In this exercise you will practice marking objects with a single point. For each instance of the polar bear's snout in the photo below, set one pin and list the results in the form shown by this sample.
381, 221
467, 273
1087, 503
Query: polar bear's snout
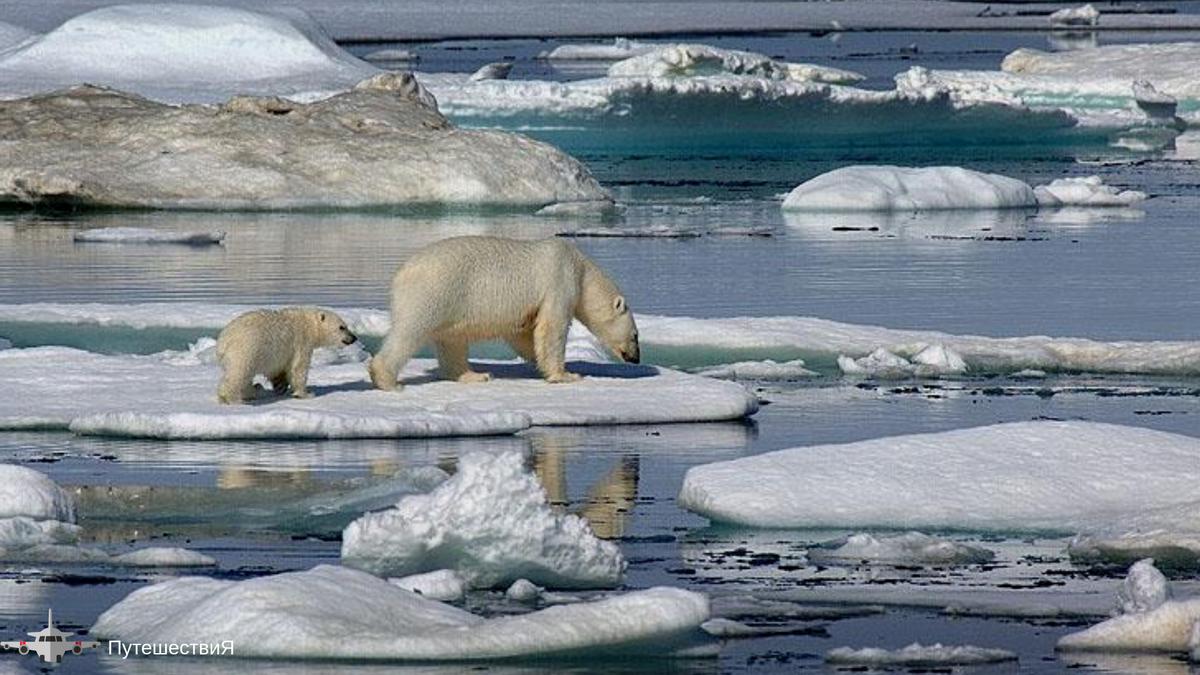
631, 353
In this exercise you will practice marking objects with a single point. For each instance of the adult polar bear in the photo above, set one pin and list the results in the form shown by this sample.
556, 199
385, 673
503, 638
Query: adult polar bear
466, 289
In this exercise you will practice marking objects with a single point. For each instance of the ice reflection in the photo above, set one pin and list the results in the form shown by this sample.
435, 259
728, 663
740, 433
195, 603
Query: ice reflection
975, 225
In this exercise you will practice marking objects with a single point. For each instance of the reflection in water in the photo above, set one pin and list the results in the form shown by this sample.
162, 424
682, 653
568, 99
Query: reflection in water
182, 666
948, 225
19, 597
1126, 664
610, 501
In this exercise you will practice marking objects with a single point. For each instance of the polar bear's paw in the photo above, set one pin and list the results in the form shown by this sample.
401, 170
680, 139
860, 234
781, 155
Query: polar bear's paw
563, 378
472, 377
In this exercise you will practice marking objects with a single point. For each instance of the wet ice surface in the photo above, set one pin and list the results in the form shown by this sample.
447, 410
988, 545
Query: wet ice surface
261, 508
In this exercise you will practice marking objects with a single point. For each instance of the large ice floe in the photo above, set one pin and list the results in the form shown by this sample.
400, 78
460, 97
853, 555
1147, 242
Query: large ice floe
172, 395
339, 613
1147, 619
689, 342
490, 523
934, 188
918, 656
37, 525
380, 144
1025, 476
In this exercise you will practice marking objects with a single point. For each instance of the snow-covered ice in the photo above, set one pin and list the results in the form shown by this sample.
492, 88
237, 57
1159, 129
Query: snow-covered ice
917, 655
617, 50
1176, 550
492, 524
382, 143
1148, 619
699, 60
143, 235
908, 548
31, 494
440, 585
1144, 588
759, 370
936, 360
185, 53
523, 590
339, 613
893, 188
1085, 191
1085, 15
1024, 476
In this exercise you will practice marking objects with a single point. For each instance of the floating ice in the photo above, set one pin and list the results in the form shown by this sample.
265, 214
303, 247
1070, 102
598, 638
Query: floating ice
893, 188
619, 49
499, 70
1087, 15
159, 556
759, 370
440, 585
382, 143
185, 54
918, 656
339, 613
492, 524
908, 548
392, 55
1148, 622
1174, 550
697, 60
932, 361
1085, 191
1027, 476
172, 395
523, 590
28, 493
141, 235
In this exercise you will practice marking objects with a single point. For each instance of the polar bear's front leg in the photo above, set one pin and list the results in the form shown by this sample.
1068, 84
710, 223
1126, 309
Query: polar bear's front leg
297, 375
453, 364
550, 347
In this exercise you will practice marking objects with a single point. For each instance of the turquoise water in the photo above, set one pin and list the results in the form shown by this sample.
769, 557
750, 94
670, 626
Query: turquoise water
264, 507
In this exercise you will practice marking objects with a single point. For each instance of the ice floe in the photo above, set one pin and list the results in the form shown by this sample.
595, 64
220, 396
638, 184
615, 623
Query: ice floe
143, 235
339, 613
1026, 476
759, 370
1148, 619
698, 60
1086, 15
523, 590
440, 585
184, 53
917, 655
893, 188
1172, 550
492, 524
1085, 191
617, 50
381, 144
908, 548
933, 361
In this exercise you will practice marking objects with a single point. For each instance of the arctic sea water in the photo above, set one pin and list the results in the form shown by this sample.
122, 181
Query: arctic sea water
270, 506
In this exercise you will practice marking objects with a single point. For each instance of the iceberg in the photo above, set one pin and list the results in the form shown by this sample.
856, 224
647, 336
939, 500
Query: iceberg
1025, 476
382, 144
490, 523
339, 613
171, 395
142, 235
917, 655
181, 53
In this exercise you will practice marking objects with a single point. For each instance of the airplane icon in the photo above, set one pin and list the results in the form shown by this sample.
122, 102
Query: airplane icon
50, 643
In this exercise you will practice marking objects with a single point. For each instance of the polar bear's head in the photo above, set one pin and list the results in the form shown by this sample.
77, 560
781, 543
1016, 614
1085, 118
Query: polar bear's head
603, 310
332, 330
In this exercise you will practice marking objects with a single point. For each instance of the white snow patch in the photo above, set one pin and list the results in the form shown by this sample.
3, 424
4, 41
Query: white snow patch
907, 548
492, 524
1086, 15
917, 655
440, 585
893, 188
182, 53
339, 613
1027, 476
142, 235
1085, 191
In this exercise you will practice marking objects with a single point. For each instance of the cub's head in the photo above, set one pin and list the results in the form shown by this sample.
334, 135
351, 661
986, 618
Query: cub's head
333, 330
615, 327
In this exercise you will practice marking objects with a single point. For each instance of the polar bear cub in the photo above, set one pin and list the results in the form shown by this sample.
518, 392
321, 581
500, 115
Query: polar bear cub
278, 344
466, 289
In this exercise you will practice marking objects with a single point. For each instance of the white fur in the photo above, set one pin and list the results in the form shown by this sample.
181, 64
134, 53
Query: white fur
466, 289
278, 344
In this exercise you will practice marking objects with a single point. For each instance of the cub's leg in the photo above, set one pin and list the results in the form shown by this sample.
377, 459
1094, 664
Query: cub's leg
297, 375
453, 364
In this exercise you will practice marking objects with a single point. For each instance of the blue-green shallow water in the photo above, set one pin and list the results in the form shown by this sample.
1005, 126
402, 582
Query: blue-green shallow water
266, 507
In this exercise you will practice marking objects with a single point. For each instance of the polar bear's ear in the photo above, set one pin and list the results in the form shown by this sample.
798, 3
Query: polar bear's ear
619, 304
322, 317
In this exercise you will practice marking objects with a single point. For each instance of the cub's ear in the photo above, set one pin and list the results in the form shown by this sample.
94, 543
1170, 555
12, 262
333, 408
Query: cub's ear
322, 316
619, 304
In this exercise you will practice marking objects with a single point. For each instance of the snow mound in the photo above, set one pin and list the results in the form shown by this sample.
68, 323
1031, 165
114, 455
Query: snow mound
918, 656
383, 143
619, 49
932, 361
908, 548
182, 53
172, 395
1087, 15
142, 235
1148, 621
491, 523
1085, 191
893, 188
339, 613
440, 585
698, 60
1027, 476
